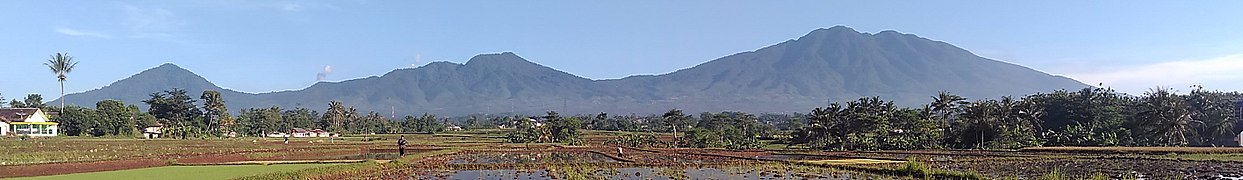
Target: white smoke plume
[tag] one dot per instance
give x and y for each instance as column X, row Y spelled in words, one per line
column 418, row 59
column 321, row 75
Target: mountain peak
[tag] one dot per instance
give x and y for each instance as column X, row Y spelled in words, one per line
column 503, row 59
column 835, row 32
column 168, row 65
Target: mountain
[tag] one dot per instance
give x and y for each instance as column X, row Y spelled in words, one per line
column 835, row 64
column 840, row 64
column 136, row 88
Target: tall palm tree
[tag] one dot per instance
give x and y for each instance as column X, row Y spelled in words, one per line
column 945, row 104
column 61, row 64
column 1165, row 116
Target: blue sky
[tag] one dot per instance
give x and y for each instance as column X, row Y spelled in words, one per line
column 264, row 46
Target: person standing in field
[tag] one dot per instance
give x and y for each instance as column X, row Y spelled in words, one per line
column 401, row 146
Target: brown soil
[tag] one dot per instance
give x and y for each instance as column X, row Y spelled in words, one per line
column 211, row 158
column 77, row 167
column 1112, row 167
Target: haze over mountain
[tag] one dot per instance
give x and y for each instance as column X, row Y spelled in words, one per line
column 834, row 64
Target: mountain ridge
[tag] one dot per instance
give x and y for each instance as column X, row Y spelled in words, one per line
column 827, row 64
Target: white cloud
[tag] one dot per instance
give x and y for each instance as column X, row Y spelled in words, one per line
column 300, row 6
column 79, row 33
column 1222, row 73
column 153, row 23
column 294, row 7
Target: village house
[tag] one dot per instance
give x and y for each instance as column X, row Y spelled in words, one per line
column 154, row 131
column 300, row 133
column 453, row 128
column 25, row 122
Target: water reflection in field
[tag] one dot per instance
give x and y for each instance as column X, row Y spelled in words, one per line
column 530, row 158
column 642, row 173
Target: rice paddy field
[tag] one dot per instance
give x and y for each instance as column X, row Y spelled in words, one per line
column 484, row 155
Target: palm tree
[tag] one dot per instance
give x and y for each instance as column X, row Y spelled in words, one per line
column 945, row 105
column 61, row 64
column 1165, row 116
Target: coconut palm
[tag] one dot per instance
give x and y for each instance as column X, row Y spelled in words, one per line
column 1165, row 116
column 61, row 64
column 945, row 105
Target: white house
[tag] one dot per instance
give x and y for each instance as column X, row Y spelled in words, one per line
column 25, row 121
column 453, row 128
column 300, row 133
column 153, row 131
column 1239, row 138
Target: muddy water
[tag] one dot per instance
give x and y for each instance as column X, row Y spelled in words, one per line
column 642, row 173
column 530, row 158
column 795, row 157
column 487, row 174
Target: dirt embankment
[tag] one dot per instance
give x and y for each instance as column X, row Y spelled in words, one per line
column 78, row 167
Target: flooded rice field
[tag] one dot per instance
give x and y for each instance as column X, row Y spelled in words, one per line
column 642, row 173
column 530, row 158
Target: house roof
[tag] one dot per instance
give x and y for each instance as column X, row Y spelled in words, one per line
column 16, row 114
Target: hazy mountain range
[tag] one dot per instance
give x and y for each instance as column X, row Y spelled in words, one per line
column 835, row 64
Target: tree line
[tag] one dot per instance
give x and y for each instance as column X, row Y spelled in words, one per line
column 1087, row 117
column 179, row 115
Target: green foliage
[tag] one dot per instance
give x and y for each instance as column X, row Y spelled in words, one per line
column 1092, row 116
column 553, row 128
column 638, row 141
column 1089, row 117
column 337, row 116
column 31, row 101
column 1164, row 118
column 868, row 124
column 178, row 112
column 61, row 64
column 733, row 130
column 301, row 118
column 563, row 130
column 109, row 118
column 913, row 167
column 1053, row 175
column 115, row 118
column 675, row 119
column 526, row 132
column 76, row 121
column 422, row 124
column 216, row 118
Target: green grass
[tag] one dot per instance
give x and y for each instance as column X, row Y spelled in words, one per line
column 182, row 172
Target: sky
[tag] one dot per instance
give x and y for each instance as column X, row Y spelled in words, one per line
column 266, row 46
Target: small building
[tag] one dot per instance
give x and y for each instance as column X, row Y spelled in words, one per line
column 1239, row 139
column 277, row 134
column 453, row 128
column 154, row 131
column 26, row 122
column 302, row 133
column 319, row 133
column 299, row 132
